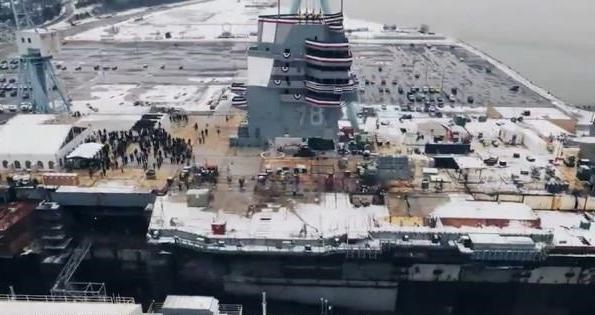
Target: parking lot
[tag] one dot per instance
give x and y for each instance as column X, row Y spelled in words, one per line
column 413, row 77
column 147, row 64
column 423, row 77
column 146, row 68
column 8, row 80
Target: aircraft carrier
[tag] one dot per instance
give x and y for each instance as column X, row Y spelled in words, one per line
column 301, row 153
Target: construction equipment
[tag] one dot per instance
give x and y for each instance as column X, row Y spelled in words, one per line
column 37, row 77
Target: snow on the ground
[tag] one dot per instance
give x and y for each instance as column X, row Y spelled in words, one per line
column 213, row 80
column 171, row 94
column 535, row 112
column 110, row 122
column 205, row 20
column 109, row 99
column 120, row 98
column 189, row 98
column 65, row 24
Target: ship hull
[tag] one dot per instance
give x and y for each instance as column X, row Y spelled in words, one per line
column 377, row 285
column 363, row 295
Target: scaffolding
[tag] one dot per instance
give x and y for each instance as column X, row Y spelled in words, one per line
column 64, row 287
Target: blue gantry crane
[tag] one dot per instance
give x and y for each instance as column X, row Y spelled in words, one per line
column 37, row 77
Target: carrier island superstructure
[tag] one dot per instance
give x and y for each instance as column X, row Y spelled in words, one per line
column 361, row 164
column 298, row 78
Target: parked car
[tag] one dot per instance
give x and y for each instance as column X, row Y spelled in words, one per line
column 26, row 107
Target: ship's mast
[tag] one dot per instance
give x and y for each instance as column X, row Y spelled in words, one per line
column 323, row 5
column 264, row 303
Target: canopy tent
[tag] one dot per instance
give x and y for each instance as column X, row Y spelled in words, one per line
column 37, row 141
column 86, row 151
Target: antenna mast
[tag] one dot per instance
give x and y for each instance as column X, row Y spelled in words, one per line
column 264, row 303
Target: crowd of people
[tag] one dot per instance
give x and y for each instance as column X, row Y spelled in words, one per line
column 145, row 147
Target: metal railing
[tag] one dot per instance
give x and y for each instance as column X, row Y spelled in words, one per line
column 273, row 246
column 81, row 289
column 67, row 298
column 224, row 309
column 230, row 309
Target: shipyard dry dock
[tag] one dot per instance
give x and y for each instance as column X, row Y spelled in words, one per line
column 450, row 176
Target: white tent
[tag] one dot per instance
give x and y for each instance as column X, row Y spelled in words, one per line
column 35, row 142
column 86, row 151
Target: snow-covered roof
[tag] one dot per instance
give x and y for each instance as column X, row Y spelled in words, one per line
column 29, row 134
column 65, row 308
column 485, row 210
column 86, row 151
column 567, row 227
